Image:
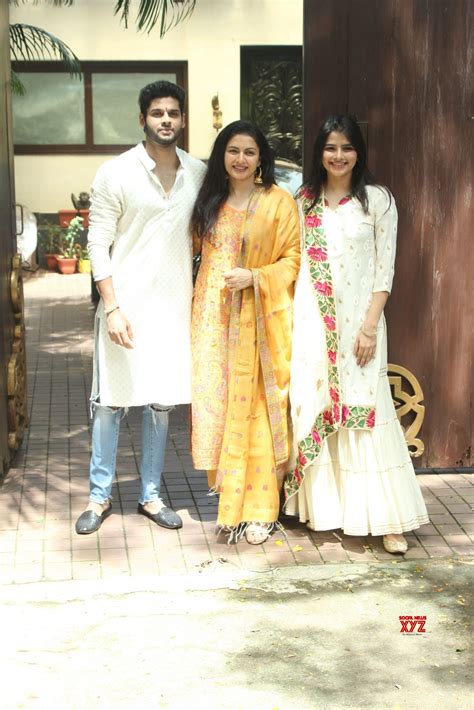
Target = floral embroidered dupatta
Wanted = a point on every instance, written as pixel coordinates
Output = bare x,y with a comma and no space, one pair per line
260,329
318,404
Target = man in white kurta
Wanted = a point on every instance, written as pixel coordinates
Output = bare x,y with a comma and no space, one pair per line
141,253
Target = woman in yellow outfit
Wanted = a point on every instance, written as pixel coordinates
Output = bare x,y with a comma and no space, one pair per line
247,230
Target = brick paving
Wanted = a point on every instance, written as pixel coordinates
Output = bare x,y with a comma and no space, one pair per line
47,486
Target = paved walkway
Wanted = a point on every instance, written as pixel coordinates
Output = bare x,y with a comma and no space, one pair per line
47,486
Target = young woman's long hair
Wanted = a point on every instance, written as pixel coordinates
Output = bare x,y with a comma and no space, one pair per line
361,175
215,188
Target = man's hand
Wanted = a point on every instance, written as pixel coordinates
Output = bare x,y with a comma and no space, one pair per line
119,329
238,279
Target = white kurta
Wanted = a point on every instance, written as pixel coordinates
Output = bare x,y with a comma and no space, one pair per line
140,236
362,480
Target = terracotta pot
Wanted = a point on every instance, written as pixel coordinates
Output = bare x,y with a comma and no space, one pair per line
66,265
51,260
65,217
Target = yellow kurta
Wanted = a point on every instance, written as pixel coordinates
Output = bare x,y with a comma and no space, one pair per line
241,349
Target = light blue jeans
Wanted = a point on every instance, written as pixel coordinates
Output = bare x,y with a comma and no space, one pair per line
105,435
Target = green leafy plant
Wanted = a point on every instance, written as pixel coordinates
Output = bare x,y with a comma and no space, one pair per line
81,252
30,43
167,13
49,237
68,245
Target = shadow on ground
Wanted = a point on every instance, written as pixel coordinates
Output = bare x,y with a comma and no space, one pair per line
319,637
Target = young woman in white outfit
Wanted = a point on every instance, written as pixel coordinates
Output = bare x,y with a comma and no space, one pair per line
353,468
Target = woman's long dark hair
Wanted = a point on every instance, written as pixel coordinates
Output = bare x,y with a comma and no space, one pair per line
361,175
215,188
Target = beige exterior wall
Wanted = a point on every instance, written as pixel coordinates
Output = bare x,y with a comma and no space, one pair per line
210,41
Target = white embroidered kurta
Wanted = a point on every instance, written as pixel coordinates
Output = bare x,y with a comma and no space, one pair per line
140,237
361,250
353,468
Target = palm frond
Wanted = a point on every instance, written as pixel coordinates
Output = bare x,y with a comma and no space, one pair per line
29,43
166,13
56,3
17,85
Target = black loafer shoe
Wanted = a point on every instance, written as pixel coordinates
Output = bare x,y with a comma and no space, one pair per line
89,522
165,517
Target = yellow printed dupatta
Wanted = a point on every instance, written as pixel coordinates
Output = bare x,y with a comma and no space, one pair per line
259,345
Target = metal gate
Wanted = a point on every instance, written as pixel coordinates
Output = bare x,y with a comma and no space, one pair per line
272,96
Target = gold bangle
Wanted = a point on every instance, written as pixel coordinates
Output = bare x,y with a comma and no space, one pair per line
367,335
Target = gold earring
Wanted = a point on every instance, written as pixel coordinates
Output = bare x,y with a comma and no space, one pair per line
258,176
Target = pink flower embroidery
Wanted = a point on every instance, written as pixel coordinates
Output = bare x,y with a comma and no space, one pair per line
334,394
316,438
345,413
370,421
323,287
327,417
306,192
302,459
317,254
312,220
335,411
345,200
330,322
332,357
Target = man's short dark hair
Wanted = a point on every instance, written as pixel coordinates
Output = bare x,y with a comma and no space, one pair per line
159,90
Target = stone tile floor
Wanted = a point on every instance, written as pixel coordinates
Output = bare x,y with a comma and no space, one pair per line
47,486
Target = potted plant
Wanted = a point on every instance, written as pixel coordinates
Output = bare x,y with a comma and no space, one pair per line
49,238
67,260
81,209
84,261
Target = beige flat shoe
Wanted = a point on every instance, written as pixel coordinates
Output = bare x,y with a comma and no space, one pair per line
395,544
257,533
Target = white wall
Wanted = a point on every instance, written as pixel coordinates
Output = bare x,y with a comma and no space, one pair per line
209,40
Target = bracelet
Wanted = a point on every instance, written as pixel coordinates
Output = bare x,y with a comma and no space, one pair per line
107,313
367,335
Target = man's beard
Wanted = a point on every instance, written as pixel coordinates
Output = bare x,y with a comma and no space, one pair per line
156,138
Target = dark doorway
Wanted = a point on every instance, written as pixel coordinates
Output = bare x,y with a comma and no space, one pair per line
271,91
